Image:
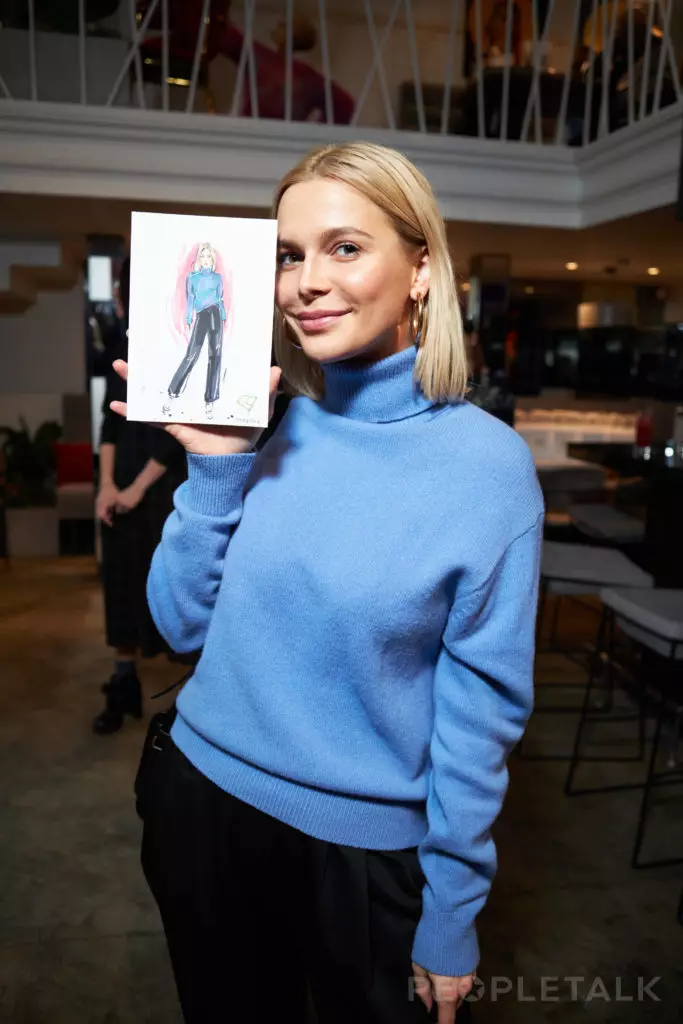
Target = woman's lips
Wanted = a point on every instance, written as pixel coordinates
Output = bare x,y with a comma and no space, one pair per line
313,323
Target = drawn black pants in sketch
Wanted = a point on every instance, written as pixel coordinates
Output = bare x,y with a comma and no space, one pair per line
207,323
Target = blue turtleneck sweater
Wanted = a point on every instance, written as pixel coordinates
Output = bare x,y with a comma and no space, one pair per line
364,589
203,288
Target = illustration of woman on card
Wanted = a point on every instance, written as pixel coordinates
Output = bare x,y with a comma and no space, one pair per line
204,294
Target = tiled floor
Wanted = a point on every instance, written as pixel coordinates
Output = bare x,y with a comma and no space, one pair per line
80,940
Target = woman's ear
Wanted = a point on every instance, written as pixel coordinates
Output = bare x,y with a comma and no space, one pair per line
421,277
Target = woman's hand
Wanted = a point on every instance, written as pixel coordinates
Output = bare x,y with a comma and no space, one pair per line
105,503
198,439
129,498
448,992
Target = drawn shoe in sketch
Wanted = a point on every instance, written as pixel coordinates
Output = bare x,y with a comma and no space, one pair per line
209,410
167,407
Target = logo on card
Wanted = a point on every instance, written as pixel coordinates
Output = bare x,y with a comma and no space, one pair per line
247,402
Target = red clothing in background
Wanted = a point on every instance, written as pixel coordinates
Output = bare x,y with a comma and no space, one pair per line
308,85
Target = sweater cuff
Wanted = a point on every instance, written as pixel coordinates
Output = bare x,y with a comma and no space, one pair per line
445,944
215,483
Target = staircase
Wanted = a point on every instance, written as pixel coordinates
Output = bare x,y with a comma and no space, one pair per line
28,268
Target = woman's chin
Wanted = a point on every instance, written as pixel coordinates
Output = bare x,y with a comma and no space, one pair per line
327,349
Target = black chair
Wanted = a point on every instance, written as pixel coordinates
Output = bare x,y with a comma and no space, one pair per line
574,571
653,621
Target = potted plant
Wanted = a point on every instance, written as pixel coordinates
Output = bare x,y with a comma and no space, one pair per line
30,489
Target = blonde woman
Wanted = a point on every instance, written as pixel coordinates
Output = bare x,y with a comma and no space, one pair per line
364,589
204,293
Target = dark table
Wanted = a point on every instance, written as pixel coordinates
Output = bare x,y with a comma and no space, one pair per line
663,544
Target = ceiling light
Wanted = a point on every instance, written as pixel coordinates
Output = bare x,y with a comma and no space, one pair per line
572,266
653,271
529,290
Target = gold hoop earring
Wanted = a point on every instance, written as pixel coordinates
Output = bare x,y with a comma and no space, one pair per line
417,321
287,337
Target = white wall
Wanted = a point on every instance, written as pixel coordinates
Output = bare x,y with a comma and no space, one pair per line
42,351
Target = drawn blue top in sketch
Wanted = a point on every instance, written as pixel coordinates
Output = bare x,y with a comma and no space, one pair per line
204,288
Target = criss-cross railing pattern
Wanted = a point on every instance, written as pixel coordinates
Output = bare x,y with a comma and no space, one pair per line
538,71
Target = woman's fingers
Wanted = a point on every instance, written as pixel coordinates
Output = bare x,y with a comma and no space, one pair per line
105,515
275,375
121,367
119,407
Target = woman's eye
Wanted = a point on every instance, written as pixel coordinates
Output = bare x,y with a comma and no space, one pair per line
347,249
285,259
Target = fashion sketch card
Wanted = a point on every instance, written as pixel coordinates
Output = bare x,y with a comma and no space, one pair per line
201,319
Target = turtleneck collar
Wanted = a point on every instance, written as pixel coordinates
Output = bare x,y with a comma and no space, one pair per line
377,392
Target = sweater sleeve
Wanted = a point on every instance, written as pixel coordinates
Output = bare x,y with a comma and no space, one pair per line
187,566
483,696
219,292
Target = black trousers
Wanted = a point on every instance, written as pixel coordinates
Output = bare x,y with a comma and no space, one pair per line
262,920
207,323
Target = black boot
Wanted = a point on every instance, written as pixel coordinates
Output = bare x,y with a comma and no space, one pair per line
124,697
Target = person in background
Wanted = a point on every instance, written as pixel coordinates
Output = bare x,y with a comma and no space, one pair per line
140,468
490,389
308,84
225,39
495,36
476,368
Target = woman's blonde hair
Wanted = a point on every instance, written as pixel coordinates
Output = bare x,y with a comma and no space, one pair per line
394,184
205,247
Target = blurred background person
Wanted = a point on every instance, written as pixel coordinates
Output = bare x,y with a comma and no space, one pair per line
476,367
490,388
140,468
308,84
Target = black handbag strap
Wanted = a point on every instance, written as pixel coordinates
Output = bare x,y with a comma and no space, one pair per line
173,686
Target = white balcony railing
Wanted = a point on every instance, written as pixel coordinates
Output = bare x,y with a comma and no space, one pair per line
566,72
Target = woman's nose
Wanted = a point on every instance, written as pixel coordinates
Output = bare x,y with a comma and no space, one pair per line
312,280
